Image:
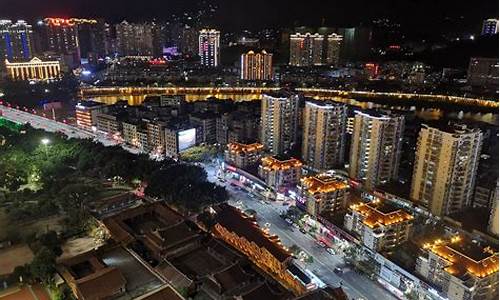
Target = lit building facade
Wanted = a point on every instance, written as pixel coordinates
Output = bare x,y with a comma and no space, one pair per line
134,39
490,27
262,248
279,122
483,72
257,66
108,124
381,226
333,44
62,37
35,69
243,155
16,40
279,174
136,134
87,113
445,168
461,269
324,194
306,49
323,139
209,47
375,148
156,136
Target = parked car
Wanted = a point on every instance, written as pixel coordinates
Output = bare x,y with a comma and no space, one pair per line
303,230
330,250
338,270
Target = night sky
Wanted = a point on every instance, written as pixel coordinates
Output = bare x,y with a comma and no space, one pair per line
426,15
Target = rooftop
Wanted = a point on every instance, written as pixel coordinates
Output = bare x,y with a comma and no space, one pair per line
88,104
465,257
240,148
165,292
126,224
91,276
323,183
272,163
235,221
380,213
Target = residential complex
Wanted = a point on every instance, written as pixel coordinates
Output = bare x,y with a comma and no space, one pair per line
134,38
279,122
380,225
280,173
257,66
243,155
375,148
16,40
324,134
460,269
445,168
209,47
324,194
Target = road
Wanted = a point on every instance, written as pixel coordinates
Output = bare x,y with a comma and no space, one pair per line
356,285
50,125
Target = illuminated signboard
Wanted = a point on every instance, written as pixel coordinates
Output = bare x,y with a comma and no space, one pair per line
187,139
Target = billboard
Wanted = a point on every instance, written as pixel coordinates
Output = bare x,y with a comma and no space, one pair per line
187,139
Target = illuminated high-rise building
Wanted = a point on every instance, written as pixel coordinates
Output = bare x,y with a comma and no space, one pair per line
306,49
209,47
279,122
375,148
490,27
62,38
256,66
15,40
323,140
92,38
333,43
134,38
445,168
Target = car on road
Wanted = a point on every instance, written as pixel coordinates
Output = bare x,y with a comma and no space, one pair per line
338,270
321,244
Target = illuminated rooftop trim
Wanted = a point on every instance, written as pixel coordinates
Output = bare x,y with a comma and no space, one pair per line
461,264
240,148
273,164
323,183
68,22
375,217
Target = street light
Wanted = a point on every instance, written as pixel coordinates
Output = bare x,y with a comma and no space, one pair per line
45,143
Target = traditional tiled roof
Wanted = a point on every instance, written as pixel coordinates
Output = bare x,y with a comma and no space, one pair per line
235,221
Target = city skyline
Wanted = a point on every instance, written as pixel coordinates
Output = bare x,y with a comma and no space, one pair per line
219,149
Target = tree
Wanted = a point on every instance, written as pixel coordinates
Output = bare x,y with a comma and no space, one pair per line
43,265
